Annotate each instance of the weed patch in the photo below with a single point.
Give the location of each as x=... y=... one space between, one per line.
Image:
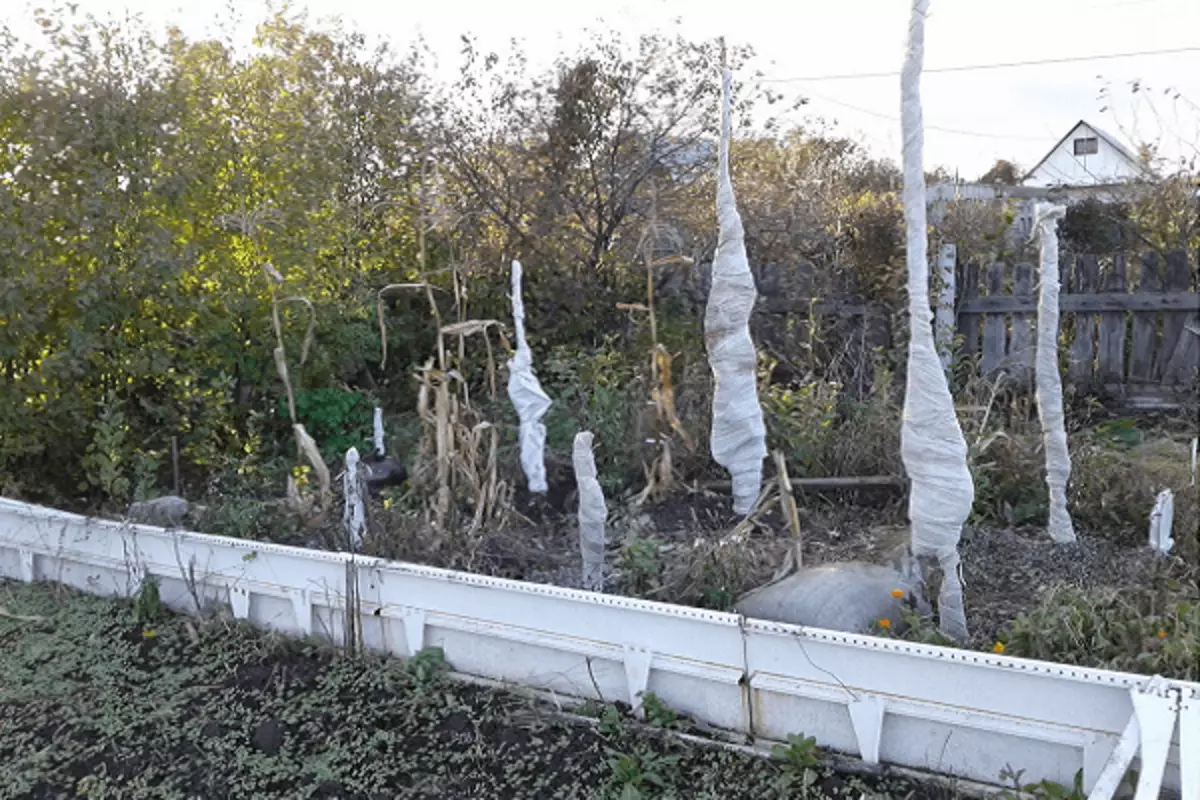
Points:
x=213 y=709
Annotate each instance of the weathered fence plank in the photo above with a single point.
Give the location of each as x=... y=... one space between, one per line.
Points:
x=1110 y=361
x=995 y=331
x=1079 y=358
x=968 y=324
x=1145 y=324
x=1133 y=312
x=1181 y=351
x=1021 y=346
x=1175 y=276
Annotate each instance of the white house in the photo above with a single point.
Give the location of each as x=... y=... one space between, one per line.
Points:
x=1087 y=162
x=1085 y=157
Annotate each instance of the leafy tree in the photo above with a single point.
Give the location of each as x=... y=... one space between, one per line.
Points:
x=561 y=168
x=1003 y=173
x=145 y=186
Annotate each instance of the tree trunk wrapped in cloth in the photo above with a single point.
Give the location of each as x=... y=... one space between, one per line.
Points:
x=527 y=396
x=1049 y=382
x=739 y=437
x=931 y=441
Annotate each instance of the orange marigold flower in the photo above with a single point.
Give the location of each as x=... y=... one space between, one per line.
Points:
x=1162 y=634
x=897 y=593
x=998 y=647
x=885 y=623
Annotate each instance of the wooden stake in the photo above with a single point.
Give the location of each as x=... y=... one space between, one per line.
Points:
x=790 y=511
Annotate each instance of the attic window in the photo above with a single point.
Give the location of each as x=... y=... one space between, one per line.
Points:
x=1088 y=146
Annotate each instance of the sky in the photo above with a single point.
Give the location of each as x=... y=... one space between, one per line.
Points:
x=806 y=48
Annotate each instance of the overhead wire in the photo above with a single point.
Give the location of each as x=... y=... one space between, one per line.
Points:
x=997 y=65
x=964 y=68
x=955 y=131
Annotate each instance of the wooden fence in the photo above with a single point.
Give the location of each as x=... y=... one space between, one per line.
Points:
x=1126 y=321
x=1129 y=326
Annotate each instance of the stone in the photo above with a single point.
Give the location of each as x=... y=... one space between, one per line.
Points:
x=850 y=597
x=165 y=512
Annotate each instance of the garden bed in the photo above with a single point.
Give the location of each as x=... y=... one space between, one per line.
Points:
x=685 y=552
x=103 y=697
x=689 y=551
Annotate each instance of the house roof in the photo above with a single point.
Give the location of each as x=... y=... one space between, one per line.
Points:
x=1111 y=140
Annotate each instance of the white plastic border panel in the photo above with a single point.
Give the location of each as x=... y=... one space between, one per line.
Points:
x=289 y=589
x=580 y=644
x=948 y=711
x=954 y=712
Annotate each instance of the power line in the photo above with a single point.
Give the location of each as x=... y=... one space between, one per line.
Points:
x=999 y=65
x=956 y=131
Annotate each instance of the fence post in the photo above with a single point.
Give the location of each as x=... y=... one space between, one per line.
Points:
x=944 y=316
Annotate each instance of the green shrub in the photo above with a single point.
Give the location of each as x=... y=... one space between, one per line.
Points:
x=1009 y=471
x=336 y=419
x=1114 y=482
x=1153 y=630
x=594 y=391
x=825 y=433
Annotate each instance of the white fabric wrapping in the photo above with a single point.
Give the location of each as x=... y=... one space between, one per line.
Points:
x=380 y=445
x=931 y=441
x=739 y=441
x=527 y=396
x=592 y=513
x=1162 y=519
x=1049 y=382
x=354 y=515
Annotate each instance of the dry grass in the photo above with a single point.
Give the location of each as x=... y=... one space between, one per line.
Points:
x=1113 y=490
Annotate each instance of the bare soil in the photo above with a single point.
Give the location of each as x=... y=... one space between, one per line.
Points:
x=691 y=551
x=94 y=704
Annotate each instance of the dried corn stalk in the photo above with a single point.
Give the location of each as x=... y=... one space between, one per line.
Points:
x=324 y=483
x=282 y=368
x=527 y=396
x=393 y=288
x=299 y=504
x=663 y=396
x=660 y=472
x=463 y=455
x=305 y=504
x=310 y=332
x=435 y=384
x=470 y=327
x=931 y=441
x=1049 y=382
x=592 y=513
x=738 y=433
